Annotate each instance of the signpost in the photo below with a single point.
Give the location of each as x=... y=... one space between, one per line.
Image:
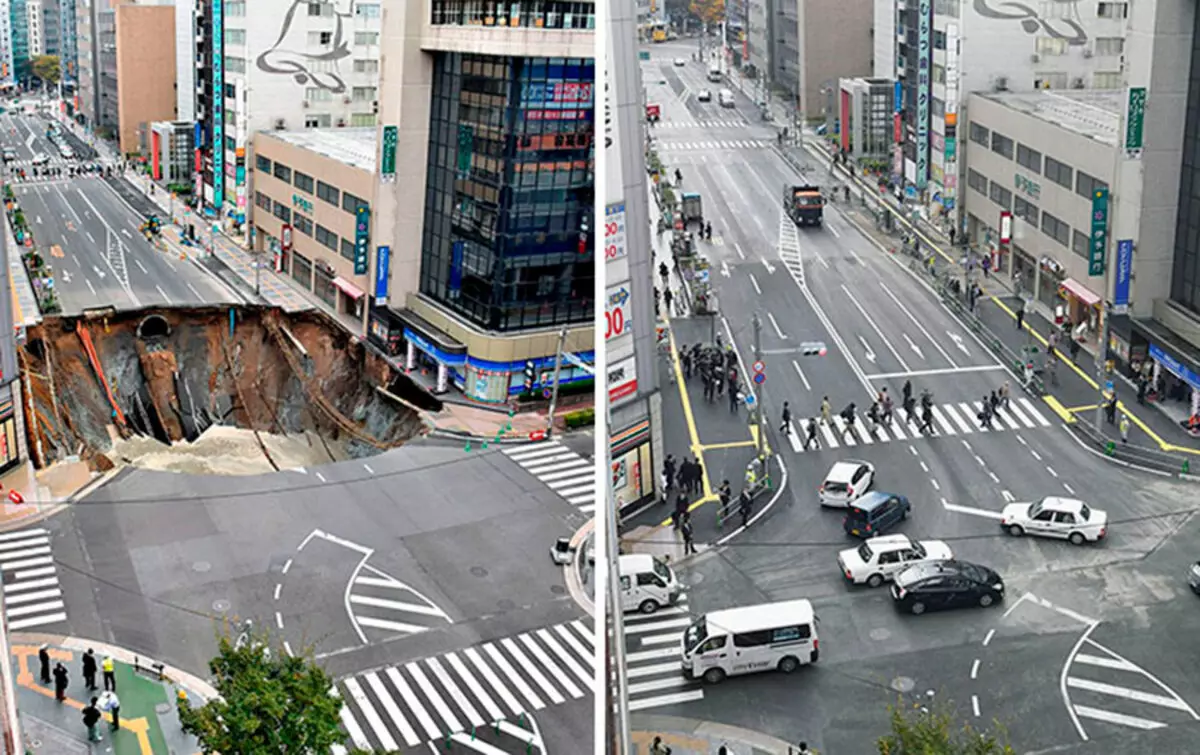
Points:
x=362 y=237
x=1099 y=232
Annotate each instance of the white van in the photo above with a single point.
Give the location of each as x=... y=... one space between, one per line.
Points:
x=647 y=584
x=714 y=72
x=753 y=638
x=725 y=98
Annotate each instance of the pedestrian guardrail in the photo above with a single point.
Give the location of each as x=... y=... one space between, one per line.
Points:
x=1139 y=456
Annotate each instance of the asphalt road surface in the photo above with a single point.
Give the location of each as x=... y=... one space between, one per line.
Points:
x=383 y=568
x=882 y=327
x=90 y=237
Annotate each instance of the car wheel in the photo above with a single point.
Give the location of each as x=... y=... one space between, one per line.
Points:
x=648 y=606
x=1016 y=530
x=714 y=676
x=788 y=664
x=917 y=608
x=904 y=514
x=1077 y=538
x=875 y=580
x=986 y=600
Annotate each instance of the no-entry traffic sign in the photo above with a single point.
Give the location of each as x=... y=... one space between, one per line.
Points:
x=759 y=366
x=760 y=378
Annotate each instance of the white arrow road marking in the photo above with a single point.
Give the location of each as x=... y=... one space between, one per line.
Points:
x=913 y=346
x=958 y=341
x=37 y=219
x=767 y=264
x=972 y=511
x=737 y=248
x=775 y=325
x=1008 y=497
x=66 y=276
x=97 y=271
x=870 y=355
x=725 y=269
x=801 y=374
x=754 y=283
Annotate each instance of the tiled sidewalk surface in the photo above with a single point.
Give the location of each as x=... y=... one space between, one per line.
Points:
x=691 y=737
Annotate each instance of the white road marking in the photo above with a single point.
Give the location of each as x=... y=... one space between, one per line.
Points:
x=278 y=587
x=934 y=483
x=279 y=620
x=1129 y=694
x=162 y=293
x=127 y=233
x=320 y=476
x=1069 y=489
x=875 y=327
x=1024 y=597
x=1119 y=719
x=975 y=669
x=924 y=467
x=975 y=705
x=90 y=286
x=970 y=510
x=775 y=325
x=287 y=565
x=368 y=468
x=858 y=259
x=1007 y=496
x=988 y=637
x=995 y=479
x=800 y=372
x=195 y=292
x=1035 y=454
x=754 y=283
x=836 y=234
x=141 y=267
x=1052 y=472
x=737 y=248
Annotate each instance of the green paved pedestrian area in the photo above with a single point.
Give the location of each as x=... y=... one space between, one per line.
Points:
x=149 y=718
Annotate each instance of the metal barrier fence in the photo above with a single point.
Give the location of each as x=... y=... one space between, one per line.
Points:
x=1160 y=461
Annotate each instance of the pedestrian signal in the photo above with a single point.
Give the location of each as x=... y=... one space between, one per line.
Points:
x=813 y=349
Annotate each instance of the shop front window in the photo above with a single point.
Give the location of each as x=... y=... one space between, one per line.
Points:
x=1052 y=274
x=324 y=288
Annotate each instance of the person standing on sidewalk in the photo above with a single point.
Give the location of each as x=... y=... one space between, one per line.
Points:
x=785 y=420
x=697 y=475
x=689 y=544
x=669 y=297
x=44 y=659
x=744 y=504
x=110 y=679
x=89 y=669
x=60 y=682
x=111 y=704
x=1020 y=315
x=1124 y=427
x=91 y=719
x=735 y=396
x=681 y=507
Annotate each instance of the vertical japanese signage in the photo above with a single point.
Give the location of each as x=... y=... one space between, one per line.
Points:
x=924 y=63
x=1099 y=232
x=1135 y=116
x=383 y=259
x=362 y=235
x=898 y=113
x=1124 y=276
x=950 y=148
x=218 y=103
x=387 y=162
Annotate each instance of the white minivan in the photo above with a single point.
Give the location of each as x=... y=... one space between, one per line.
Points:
x=725 y=98
x=753 y=638
x=647 y=584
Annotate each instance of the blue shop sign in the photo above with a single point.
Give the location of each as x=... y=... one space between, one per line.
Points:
x=1175 y=367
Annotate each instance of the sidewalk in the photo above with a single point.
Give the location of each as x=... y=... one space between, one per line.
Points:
x=687 y=736
x=149 y=716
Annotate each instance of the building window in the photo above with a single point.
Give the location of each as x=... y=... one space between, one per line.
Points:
x=317 y=94
x=262 y=164
x=348 y=249
x=1086 y=186
x=980 y=135
x=302 y=224
x=1000 y=195
x=939 y=40
x=312 y=121
x=1080 y=243
x=937 y=108
x=1056 y=229
x=1059 y=173
x=367 y=38
x=283 y=173
x=1002 y=145
x=366 y=66
x=235 y=36
x=361 y=120
x=320 y=9
x=367 y=10
x=977 y=181
x=1109 y=46
x=1026 y=211
x=1050 y=81
x=262 y=201
x=351 y=203
x=1106 y=80
x=939 y=74
x=327 y=238
x=303 y=182
x=1051 y=46
x=363 y=94
x=302 y=270
x=1029 y=158
x=235 y=65
x=320 y=38
x=235 y=8
x=282 y=211
x=1113 y=10
x=328 y=193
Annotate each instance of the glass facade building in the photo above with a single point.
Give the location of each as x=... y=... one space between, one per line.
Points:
x=19 y=17
x=508 y=233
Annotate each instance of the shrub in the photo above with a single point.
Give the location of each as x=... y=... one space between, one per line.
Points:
x=581 y=418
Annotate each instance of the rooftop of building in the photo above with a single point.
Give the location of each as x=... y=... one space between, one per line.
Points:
x=1094 y=113
x=353 y=146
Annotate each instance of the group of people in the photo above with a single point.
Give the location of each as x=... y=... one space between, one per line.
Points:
x=717 y=370
x=107 y=701
x=991 y=405
x=880 y=412
x=55 y=171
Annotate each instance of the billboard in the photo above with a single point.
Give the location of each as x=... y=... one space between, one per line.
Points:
x=218 y=101
x=924 y=64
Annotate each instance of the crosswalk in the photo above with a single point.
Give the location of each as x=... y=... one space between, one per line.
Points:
x=56 y=161
x=32 y=594
x=948 y=419
x=716 y=144
x=652 y=658
x=507 y=680
x=1102 y=686
x=703 y=123
x=383 y=603
x=565 y=472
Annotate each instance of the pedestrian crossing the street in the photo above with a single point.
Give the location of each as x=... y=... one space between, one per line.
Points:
x=32 y=593
x=383 y=603
x=719 y=144
x=652 y=658
x=948 y=419
x=507 y=680
x=564 y=471
x=718 y=123
x=1101 y=686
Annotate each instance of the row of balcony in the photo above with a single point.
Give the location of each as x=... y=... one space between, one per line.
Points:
x=540 y=15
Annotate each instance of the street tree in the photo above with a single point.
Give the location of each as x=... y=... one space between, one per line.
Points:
x=708 y=11
x=47 y=68
x=268 y=704
x=934 y=729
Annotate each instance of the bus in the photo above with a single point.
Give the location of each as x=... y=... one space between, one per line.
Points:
x=658 y=31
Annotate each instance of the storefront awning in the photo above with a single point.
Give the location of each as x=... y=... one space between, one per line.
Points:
x=1080 y=292
x=348 y=288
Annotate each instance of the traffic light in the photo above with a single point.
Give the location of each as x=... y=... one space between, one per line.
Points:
x=529 y=374
x=813 y=349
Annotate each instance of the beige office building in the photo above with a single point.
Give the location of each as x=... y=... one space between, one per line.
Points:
x=137 y=71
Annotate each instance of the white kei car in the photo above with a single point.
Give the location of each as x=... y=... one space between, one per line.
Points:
x=880 y=559
x=1063 y=518
x=846 y=481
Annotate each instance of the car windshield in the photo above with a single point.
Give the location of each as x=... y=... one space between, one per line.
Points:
x=1084 y=512
x=972 y=572
x=696 y=633
x=865 y=552
x=1035 y=509
x=919 y=550
x=835 y=487
x=661 y=570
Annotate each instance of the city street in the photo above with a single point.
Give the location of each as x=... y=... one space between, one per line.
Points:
x=882 y=327
x=90 y=237
x=395 y=567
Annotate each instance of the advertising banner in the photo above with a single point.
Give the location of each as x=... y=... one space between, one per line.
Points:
x=383 y=258
x=1099 y=232
x=1124 y=276
x=218 y=100
x=362 y=236
x=924 y=64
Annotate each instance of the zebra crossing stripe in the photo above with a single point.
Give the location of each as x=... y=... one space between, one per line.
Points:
x=565 y=657
x=414 y=705
x=1015 y=406
x=572 y=641
x=867 y=435
x=31 y=585
x=455 y=692
x=652 y=655
x=939 y=416
x=547 y=463
x=793 y=437
x=29 y=597
x=963 y=424
x=847 y=438
x=434 y=698
x=1028 y=405
x=393 y=710
x=568 y=470
x=478 y=745
x=514 y=677
x=534 y=672
x=23 y=535
x=827 y=435
x=357 y=736
x=533 y=452
x=1009 y=418
x=547 y=662
x=22 y=554
x=460 y=668
x=26 y=543
x=372 y=715
x=491 y=678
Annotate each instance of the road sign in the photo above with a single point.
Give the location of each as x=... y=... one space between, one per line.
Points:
x=760 y=377
x=759 y=366
x=750 y=400
x=1099 y=242
x=1108 y=386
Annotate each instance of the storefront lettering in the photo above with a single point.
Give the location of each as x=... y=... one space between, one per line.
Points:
x=302 y=203
x=1029 y=188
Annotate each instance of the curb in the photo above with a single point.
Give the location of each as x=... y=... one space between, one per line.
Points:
x=178 y=677
x=1093 y=447
x=573 y=571
x=58 y=506
x=736 y=736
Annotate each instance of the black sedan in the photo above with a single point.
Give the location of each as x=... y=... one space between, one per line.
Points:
x=946 y=584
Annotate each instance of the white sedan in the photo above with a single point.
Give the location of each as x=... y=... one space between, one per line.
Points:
x=880 y=559
x=40 y=159
x=1063 y=518
x=680 y=62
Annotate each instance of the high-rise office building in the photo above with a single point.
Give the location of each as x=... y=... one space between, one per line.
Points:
x=7 y=74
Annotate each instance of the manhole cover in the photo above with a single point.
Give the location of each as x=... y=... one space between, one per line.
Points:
x=479 y=571
x=903 y=684
x=505 y=605
x=557 y=589
x=162 y=708
x=201 y=566
x=221 y=606
x=879 y=635
x=695 y=578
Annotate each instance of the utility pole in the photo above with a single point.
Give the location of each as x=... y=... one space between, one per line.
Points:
x=562 y=340
x=1105 y=305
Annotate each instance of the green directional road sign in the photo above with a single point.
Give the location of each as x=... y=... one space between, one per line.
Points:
x=387 y=167
x=1135 y=116
x=1099 y=232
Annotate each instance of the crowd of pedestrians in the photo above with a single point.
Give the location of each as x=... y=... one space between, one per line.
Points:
x=107 y=701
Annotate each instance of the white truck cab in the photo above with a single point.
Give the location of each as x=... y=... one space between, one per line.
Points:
x=647 y=583
x=780 y=636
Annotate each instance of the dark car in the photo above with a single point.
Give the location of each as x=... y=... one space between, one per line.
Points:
x=1194 y=577
x=875 y=513
x=946 y=584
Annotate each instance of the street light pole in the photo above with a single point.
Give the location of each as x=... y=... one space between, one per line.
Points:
x=1105 y=305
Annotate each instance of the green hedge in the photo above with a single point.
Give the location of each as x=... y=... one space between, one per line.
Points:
x=581 y=418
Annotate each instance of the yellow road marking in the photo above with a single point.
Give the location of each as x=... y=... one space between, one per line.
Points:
x=1063 y=412
x=735 y=444
x=1075 y=409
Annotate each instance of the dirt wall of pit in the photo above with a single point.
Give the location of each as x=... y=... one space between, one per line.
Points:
x=173 y=373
